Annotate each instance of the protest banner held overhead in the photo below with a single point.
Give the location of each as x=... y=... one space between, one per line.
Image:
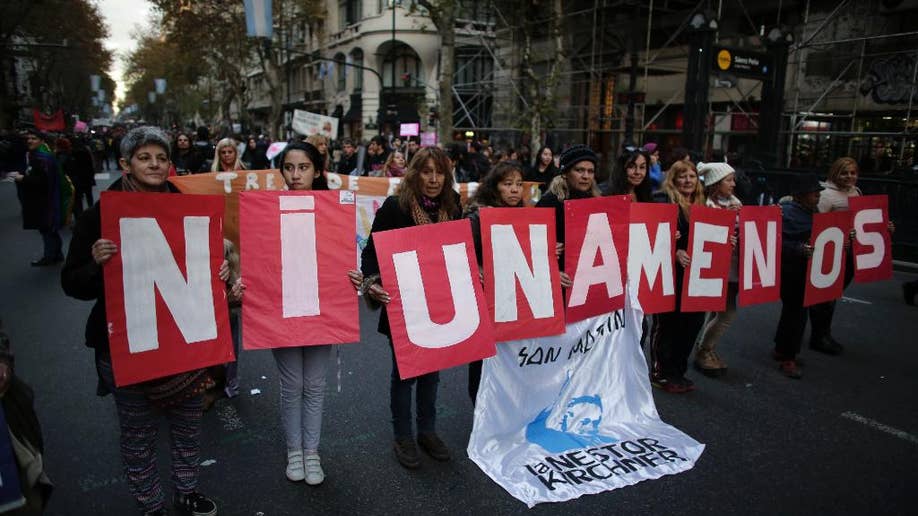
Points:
x=308 y=124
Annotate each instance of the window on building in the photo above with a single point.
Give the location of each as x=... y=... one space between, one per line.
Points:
x=357 y=59
x=401 y=67
x=349 y=12
x=340 y=72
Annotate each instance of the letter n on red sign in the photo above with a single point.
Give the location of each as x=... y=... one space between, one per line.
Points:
x=296 y=250
x=521 y=279
x=825 y=274
x=759 y=261
x=650 y=255
x=873 y=243
x=437 y=311
x=705 y=285
x=596 y=255
x=164 y=300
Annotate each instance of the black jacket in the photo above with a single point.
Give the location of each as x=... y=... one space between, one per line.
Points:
x=81 y=276
x=389 y=216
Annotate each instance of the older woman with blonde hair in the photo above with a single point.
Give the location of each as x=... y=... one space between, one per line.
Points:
x=425 y=196
x=226 y=156
x=673 y=334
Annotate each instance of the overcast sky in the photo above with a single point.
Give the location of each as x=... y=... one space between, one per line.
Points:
x=122 y=16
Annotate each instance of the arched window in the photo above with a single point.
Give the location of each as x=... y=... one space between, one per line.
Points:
x=340 y=72
x=401 y=67
x=357 y=59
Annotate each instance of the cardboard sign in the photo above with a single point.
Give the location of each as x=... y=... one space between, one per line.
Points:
x=596 y=255
x=308 y=124
x=759 y=258
x=165 y=303
x=651 y=246
x=872 y=242
x=437 y=313
x=412 y=129
x=705 y=285
x=521 y=279
x=825 y=276
x=299 y=247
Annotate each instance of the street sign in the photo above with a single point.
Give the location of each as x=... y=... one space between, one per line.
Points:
x=742 y=63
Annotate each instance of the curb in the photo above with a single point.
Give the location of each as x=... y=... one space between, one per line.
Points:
x=901 y=266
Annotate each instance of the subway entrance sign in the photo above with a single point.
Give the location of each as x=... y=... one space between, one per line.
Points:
x=742 y=63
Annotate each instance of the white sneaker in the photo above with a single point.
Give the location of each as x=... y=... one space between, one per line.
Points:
x=314 y=473
x=295 y=470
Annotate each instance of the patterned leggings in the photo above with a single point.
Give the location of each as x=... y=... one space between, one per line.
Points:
x=139 y=424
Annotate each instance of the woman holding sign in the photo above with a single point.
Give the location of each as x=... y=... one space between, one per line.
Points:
x=302 y=369
x=145 y=163
x=425 y=196
x=673 y=334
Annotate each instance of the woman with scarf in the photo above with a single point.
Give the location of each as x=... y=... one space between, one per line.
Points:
x=395 y=165
x=425 y=196
x=46 y=196
x=179 y=398
x=673 y=334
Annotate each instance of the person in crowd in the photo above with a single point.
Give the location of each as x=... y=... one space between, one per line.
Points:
x=226 y=157
x=841 y=185
x=456 y=152
x=185 y=158
x=676 y=154
x=203 y=148
x=46 y=197
x=25 y=435
x=797 y=224
x=630 y=176
x=719 y=182
x=321 y=142
x=348 y=163
x=577 y=180
x=544 y=169
x=396 y=144
x=226 y=377
x=395 y=165
x=673 y=334
x=83 y=176
x=654 y=169
x=475 y=163
x=377 y=154
x=180 y=398
x=302 y=369
x=411 y=148
x=425 y=196
x=248 y=154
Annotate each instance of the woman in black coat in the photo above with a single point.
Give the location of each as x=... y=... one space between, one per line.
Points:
x=425 y=196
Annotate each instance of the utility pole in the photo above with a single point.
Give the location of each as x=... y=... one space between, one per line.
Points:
x=778 y=42
x=701 y=28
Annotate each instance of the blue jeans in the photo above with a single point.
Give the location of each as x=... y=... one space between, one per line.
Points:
x=400 y=402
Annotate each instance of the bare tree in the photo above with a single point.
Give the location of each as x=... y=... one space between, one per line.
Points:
x=443 y=15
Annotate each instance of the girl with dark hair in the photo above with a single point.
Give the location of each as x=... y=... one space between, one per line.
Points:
x=302 y=369
x=544 y=169
x=630 y=176
x=425 y=196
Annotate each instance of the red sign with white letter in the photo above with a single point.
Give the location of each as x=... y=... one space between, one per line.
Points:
x=825 y=275
x=521 y=280
x=873 y=243
x=759 y=258
x=596 y=255
x=705 y=286
x=164 y=300
x=298 y=247
x=437 y=313
x=650 y=255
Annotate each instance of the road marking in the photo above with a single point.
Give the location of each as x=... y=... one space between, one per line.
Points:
x=901 y=434
x=852 y=300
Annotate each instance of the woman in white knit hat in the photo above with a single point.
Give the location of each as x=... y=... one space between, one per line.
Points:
x=719 y=183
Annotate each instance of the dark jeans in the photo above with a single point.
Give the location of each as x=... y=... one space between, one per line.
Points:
x=821 y=315
x=672 y=339
x=792 y=323
x=400 y=402
x=474 y=379
x=52 y=243
x=78 y=195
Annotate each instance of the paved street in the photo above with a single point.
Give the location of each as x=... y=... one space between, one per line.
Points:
x=844 y=440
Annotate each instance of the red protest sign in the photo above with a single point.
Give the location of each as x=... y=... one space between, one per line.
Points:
x=825 y=274
x=437 y=313
x=872 y=243
x=596 y=255
x=705 y=286
x=651 y=245
x=759 y=259
x=164 y=301
x=297 y=249
x=521 y=280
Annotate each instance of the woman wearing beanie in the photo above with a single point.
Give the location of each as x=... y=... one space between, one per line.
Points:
x=673 y=334
x=719 y=182
x=577 y=181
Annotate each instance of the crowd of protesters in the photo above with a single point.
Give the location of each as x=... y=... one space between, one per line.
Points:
x=53 y=184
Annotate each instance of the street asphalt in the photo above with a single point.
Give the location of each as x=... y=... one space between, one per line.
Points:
x=843 y=440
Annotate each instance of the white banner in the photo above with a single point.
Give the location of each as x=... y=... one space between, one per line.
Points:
x=560 y=417
x=308 y=124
